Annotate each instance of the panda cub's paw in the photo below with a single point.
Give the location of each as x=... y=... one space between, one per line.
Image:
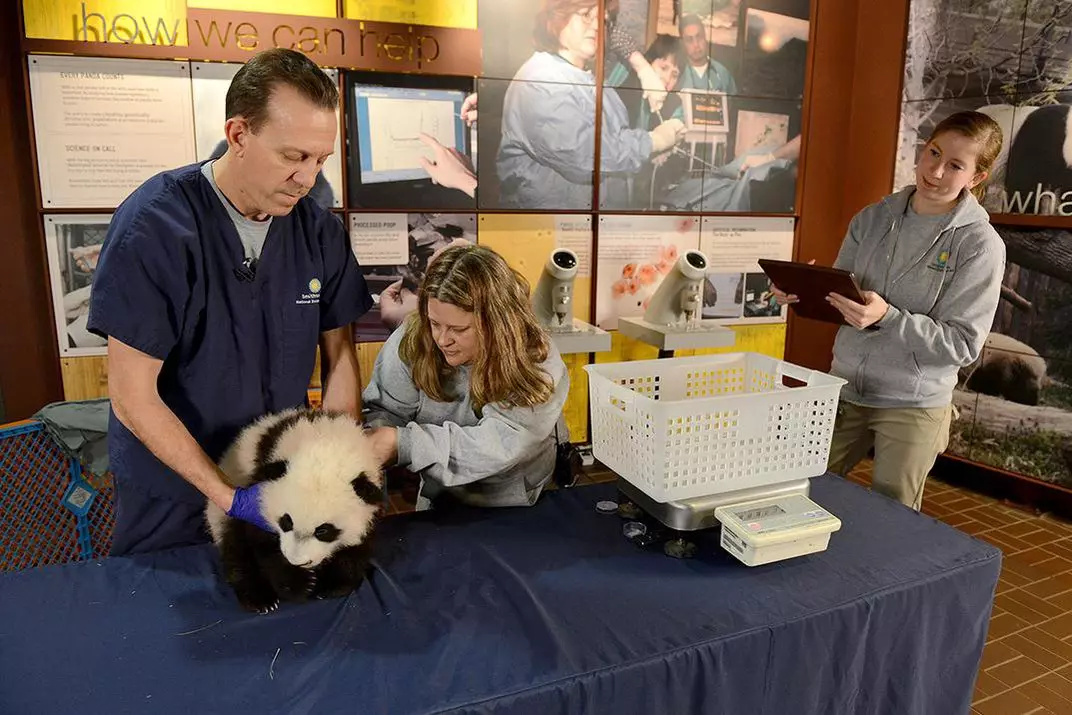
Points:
x=310 y=588
x=261 y=600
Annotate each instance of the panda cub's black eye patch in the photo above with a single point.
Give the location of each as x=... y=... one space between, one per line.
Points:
x=326 y=533
x=286 y=523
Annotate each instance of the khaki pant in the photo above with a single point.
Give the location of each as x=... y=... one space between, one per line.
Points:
x=907 y=442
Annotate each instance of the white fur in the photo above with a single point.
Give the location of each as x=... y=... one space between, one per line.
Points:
x=323 y=457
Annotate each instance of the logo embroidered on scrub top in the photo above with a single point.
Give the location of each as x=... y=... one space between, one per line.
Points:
x=313 y=296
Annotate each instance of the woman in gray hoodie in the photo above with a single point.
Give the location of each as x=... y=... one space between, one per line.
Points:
x=468 y=392
x=930 y=268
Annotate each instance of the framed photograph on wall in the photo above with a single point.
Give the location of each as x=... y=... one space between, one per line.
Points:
x=394 y=123
x=74 y=244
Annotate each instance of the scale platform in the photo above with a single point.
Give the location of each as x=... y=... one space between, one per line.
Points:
x=699 y=512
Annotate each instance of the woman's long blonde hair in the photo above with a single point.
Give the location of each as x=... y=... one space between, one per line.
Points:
x=512 y=343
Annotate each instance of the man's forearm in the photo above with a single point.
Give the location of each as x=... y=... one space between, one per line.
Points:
x=157 y=427
x=340 y=375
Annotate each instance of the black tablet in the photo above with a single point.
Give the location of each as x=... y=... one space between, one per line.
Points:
x=811 y=284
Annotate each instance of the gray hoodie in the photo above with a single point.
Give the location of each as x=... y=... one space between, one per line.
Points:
x=504 y=457
x=942 y=283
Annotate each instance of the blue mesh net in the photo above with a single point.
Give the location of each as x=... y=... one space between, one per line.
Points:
x=37 y=527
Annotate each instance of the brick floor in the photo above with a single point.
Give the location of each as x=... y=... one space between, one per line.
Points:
x=1027 y=662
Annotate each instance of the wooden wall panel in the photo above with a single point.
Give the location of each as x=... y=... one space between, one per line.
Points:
x=29 y=358
x=850 y=138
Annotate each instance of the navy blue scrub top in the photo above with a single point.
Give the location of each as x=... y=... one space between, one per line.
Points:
x=233 y=349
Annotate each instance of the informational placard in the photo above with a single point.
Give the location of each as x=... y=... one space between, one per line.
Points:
x=635 y=254
x=379 y=239
x=737 y=290
x=210 y=83
x=527 y=240
x=74 y=243
x=394 y=265
x=104 y=126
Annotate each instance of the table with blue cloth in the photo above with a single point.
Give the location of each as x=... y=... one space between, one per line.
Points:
x=548 y=609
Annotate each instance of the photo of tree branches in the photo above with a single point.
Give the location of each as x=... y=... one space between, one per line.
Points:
x=1011 y=59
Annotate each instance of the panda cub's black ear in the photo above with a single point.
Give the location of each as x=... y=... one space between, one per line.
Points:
x=270 y=471
x=366 y=490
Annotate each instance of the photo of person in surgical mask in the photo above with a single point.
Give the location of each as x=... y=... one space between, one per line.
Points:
x=547 y=153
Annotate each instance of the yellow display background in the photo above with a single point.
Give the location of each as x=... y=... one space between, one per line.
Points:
x=311 y=8
x=62 y=19
x=526 y=241
x=441 y=13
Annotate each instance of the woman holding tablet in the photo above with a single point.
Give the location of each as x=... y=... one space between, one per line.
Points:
x=930 y=267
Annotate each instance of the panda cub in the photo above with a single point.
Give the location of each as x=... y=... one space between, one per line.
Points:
x=322 y=498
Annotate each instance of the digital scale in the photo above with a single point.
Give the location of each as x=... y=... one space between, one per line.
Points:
x=758 y=526
x=719 y=440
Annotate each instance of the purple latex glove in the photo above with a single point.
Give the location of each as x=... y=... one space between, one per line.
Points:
x=247 y=506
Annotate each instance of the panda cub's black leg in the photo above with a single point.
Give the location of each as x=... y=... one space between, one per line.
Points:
x=343 y=573
x=290 y=582
x=241 y=569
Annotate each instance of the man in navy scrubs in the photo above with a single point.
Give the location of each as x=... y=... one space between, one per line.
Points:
x=215 y=285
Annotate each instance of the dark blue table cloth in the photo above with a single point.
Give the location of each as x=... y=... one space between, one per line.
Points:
x=541 y=610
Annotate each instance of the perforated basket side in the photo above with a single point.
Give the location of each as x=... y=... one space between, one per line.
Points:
x=710 y=424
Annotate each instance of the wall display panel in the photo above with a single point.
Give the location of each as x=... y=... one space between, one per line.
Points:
x=311 y=8
x=774 y=48
x=1016 y=399
x=737 y=290
x=758 y=171
x=73 y=242
x=963 y=48
x=1032 y=174
x=444 y=13
x=1046 y=50
x=537 y=145
x=394 y=251
x=1035 y=173
x=407 y=143
x=153 y=22
x=527 y=240
x=634 y=255
x=160 y=22
x=210 y=84
x=735 y=155
x=515 y=34
x=756 y=49
x=642 y=161
x=104 y=126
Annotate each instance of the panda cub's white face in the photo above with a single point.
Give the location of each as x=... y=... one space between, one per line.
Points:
x=314 y=506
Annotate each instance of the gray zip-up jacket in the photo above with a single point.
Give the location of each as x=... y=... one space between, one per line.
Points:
x=504 y=457
x=943 y=291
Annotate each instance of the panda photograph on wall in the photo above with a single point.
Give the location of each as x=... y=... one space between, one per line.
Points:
x=1010 y=63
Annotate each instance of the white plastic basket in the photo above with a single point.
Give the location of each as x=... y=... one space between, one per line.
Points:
x=678 y=428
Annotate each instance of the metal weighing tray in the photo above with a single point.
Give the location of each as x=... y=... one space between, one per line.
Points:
x=699 y=512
